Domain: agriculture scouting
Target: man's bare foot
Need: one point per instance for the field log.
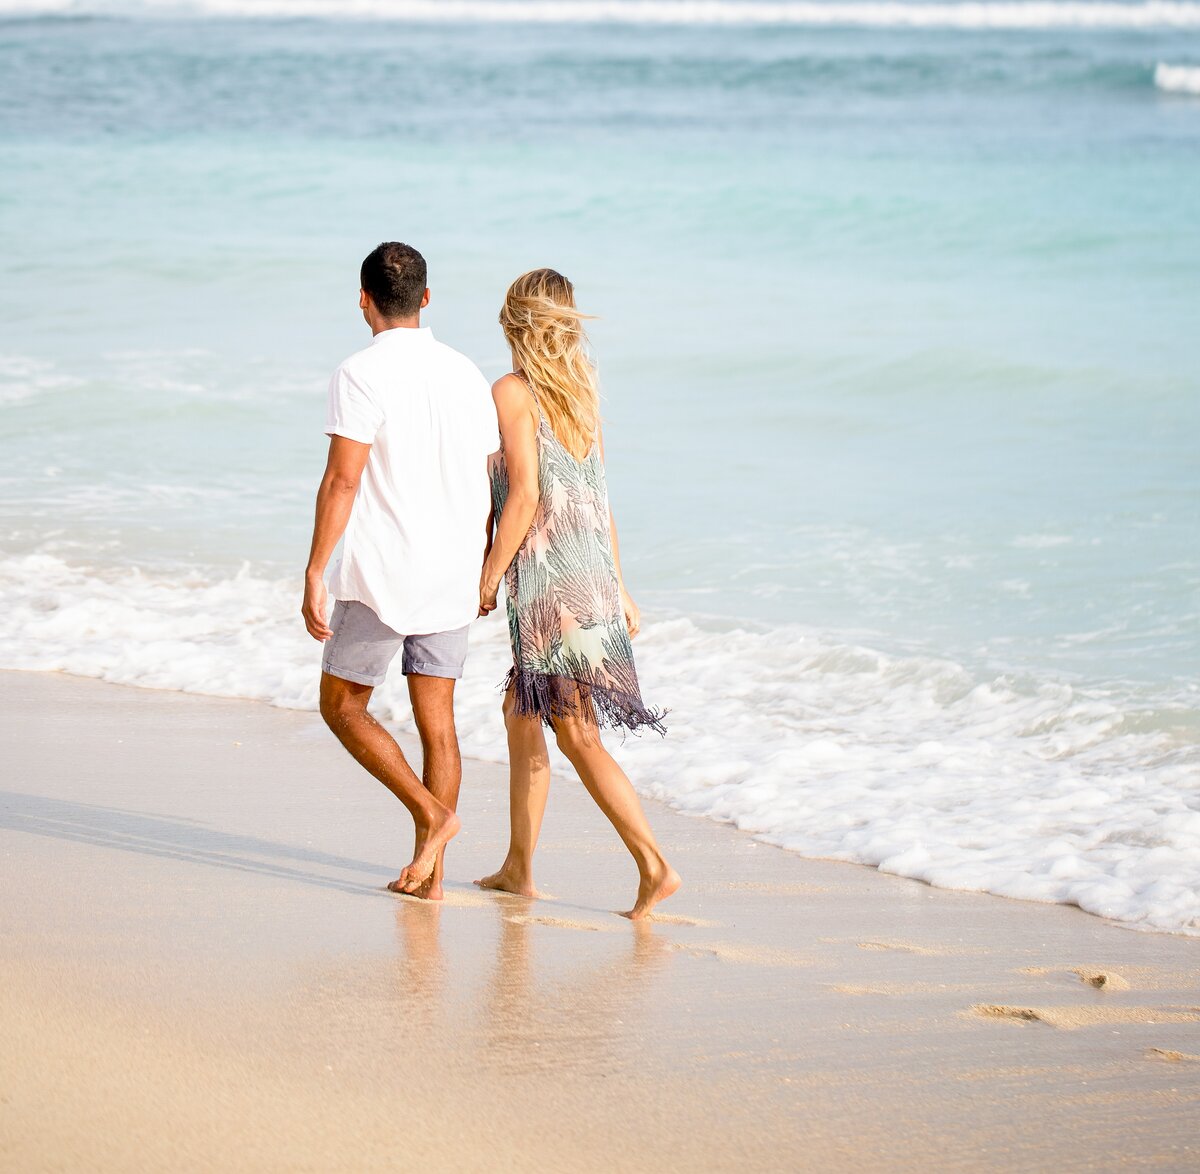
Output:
(654, 888)
(428, 890)
(431, 890)
(414, 875)
(508, 881)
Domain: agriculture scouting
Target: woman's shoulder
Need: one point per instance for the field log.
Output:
(515, 406)
(509, 385)
(511, 392)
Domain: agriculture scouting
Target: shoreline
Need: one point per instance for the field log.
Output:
(1066, 863)
(408, 742)
(1025, 786)
(204, 969)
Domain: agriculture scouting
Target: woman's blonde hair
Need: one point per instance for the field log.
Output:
(550, 348)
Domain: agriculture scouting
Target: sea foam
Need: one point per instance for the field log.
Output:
(1177, 79)
(914, 764)
(985, 14)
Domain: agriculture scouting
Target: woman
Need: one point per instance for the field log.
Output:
(570, 618)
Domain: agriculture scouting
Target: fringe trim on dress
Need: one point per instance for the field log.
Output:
(549, 696)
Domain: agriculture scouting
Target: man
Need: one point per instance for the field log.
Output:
(411, 424)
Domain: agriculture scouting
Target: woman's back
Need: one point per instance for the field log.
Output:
(571, 648)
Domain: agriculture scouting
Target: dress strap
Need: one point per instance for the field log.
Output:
(529, 388)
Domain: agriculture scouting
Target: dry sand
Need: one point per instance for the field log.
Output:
(203, 971)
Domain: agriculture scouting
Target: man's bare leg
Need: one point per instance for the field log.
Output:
(528, 788)
(344, 708)
(441, 763)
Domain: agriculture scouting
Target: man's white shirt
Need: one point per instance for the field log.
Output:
(414, 545)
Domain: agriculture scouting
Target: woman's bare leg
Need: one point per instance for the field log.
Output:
(528, 788)
(609, 786)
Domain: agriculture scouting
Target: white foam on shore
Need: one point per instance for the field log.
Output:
(909, 763)
(985, 14)
(1177, 79)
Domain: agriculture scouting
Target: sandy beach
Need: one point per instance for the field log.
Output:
(203, 970)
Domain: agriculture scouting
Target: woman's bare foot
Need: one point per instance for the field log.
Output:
(655, 887)
(509, 880)
(414, 875)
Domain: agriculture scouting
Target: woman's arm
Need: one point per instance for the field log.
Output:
(489, 528)
(518, 418)
(633, 616)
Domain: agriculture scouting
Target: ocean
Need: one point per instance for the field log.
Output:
(898, 343)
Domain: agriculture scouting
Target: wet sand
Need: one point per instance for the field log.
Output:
(202, 969)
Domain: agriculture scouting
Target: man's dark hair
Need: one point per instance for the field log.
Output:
(394, 275)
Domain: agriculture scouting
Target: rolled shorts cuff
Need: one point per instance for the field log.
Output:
(423, 668)
(350, 675)
(360, 639)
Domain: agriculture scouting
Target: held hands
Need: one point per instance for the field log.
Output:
(633, 617)
(316, 601)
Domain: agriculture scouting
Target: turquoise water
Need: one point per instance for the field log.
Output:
(897, 327)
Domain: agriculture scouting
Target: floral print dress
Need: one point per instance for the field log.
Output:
(571, 649)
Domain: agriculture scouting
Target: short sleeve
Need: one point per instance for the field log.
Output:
(489, 425)
(353, 412)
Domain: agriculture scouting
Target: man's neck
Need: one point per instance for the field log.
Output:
(379, 325)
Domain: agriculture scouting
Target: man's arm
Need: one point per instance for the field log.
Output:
(335, 500)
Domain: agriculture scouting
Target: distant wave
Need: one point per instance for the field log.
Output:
(988, 14)
(1178, 79)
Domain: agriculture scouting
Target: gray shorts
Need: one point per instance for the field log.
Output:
(362, 646)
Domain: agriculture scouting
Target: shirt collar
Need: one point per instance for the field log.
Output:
(406, 333)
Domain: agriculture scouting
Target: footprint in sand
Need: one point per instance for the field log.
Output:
(1101, 980)
(1171, 1057)
(679, 919)
(995, 1011)
(1069, 1018)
